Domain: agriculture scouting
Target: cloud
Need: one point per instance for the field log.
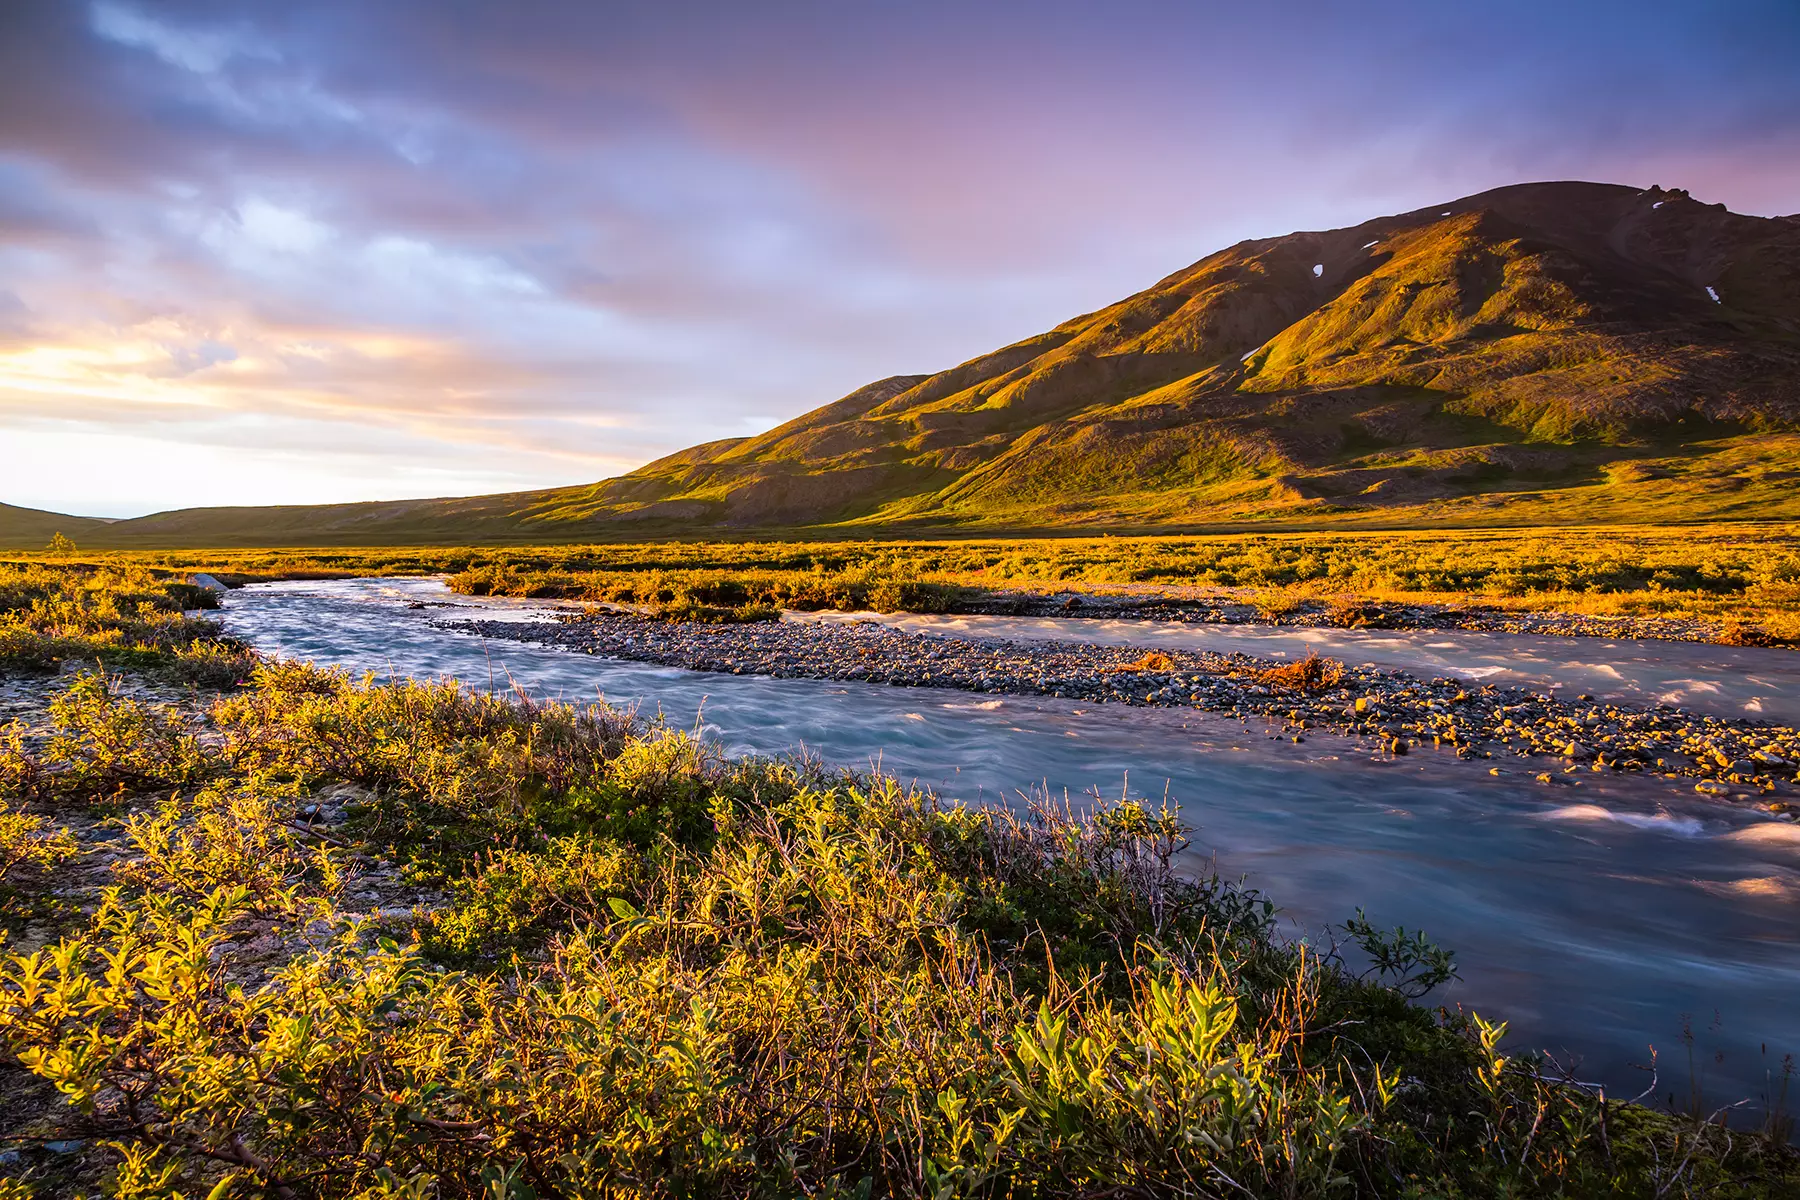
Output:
(580, 236)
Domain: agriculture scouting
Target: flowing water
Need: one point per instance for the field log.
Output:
(1726, 681)
(1596, 920)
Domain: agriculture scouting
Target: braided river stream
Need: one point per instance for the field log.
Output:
(1599, 921)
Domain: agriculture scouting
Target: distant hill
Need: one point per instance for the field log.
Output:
(31, 527)
(1568, 351)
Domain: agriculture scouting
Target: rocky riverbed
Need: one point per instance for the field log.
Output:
(1556, 739)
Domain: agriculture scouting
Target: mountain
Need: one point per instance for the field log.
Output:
(1522, 338)
(1575, 351)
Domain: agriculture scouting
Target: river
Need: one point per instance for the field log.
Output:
(1598, 921)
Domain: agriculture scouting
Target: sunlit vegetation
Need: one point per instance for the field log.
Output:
(118, 615)
(1309, 674)
(1731, 575)
(349, 939)
(1716, 573)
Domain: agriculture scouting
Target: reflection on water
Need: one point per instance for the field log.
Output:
(1590, 918)
(1728, 681)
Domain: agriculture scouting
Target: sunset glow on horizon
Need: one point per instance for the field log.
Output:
(336, 251)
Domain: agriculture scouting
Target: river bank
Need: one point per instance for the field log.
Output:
(1590, 923)
(1162, 602)
(1537, 732)
(1591, 918)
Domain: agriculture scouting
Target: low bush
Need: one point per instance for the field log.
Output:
(246, 841)
(29, 842)
(688, 609)
(1347, 612)
(104, 741)
(217, 665)
(30, 846)
(639, 968)
(517, 898)
(811, 1005)
(721, 595)
(124, 616)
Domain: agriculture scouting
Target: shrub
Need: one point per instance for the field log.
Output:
(215, 665)
(30, 846)
(244, 841)
(22, 774)
(1153, 662)
(517, 898)
(50, 615)
(1348, 613)
(25, 649)
(804, 1008)
(688, 609)
(1309, 674)
(797, 1008)
(1738, 633)
(105, 741)
(435, 743)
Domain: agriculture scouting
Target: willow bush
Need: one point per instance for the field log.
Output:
(122, 615)
(404, 939)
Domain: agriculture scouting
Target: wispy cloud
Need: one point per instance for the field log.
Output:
(343, 249)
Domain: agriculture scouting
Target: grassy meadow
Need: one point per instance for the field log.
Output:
(1738, 574)
(281, 932)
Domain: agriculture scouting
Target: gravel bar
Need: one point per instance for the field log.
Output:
(1751, 762)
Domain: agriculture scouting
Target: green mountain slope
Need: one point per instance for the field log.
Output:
(1538, 337)
(1544, 351)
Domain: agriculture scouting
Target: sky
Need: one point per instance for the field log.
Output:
(265, 253)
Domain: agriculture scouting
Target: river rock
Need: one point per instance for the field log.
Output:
(1388, 707)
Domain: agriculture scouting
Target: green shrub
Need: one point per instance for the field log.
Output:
(104, 741)
(51, 615)
(247, 841)
(687, 975)
(30, 842)
(688, 609)
(216, 665)
(31, 846)
(517, 898)
(795, 1008)
(25, 649)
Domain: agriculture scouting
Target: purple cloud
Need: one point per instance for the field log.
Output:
(594, 233)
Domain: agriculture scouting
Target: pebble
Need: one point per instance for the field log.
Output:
(1395, 709)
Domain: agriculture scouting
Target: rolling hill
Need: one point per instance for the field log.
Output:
(1566, 351)
(35, 527)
